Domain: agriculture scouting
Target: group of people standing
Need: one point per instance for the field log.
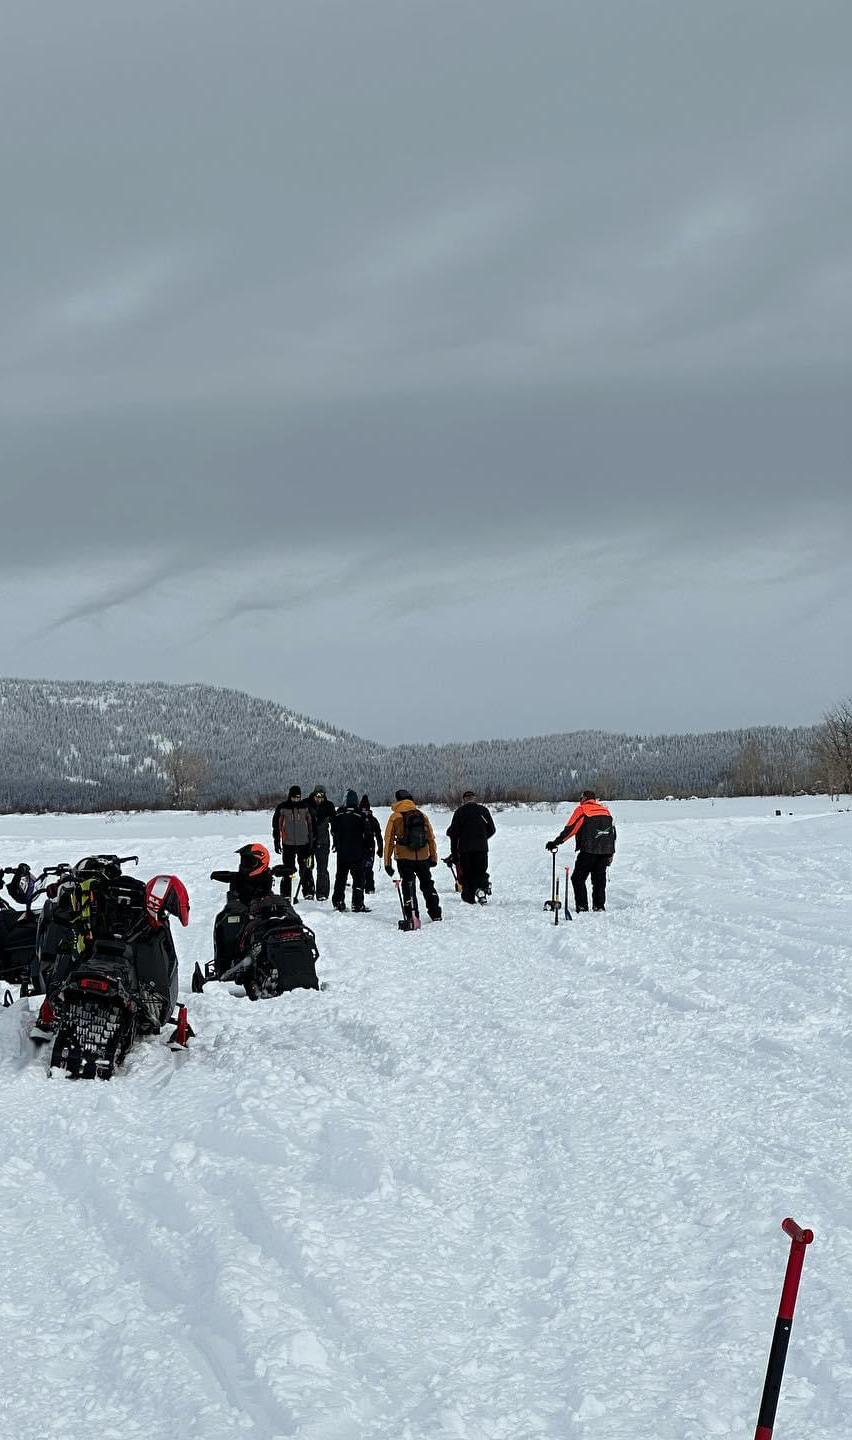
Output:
(303, 832)
(304, 829)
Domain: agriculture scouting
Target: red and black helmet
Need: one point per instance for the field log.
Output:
(254, 859)
(166, 895)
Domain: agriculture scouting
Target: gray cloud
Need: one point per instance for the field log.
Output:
(461, 318)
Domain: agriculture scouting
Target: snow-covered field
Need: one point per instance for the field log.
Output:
(501, 1179)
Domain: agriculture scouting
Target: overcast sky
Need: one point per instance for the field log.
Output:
(441, 368)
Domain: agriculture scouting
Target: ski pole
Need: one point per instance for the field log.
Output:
(783, 1325)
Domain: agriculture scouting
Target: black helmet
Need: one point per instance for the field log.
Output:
(107, 866)
(21, 886)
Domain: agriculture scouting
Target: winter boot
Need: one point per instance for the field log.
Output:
(340, 905)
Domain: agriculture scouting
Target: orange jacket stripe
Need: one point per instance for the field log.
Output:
(584, 811)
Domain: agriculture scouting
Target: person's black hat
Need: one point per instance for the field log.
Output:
(404, 795)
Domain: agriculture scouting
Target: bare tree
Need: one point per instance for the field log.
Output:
(187, 773)
(833, 748)
(746, 776)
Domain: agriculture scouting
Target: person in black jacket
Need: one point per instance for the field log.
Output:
(322, 812)
(470, 830)
(352, 838)
(375, 847)
(293, 838)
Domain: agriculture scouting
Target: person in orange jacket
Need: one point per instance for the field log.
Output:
(592, 830)
(410, 839)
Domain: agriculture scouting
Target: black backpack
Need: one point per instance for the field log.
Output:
(598, 835)
(414, 833)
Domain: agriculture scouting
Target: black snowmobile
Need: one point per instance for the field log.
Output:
(106, 962)
(262, 945)
(19, 928)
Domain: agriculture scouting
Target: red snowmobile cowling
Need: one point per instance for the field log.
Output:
(166, 894)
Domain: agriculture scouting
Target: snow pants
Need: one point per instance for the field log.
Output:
(473, 868)
(584, 866)
(345, 868)
(321, 854)
(291, 856)
(412, 871)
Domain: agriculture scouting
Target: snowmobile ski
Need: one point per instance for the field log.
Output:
(45, 1025)
(183, 1031)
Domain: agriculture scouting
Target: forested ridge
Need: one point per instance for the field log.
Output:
(84, 745)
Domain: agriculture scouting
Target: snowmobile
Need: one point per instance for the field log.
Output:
(263, 946)
(19, 928)
(107, 965)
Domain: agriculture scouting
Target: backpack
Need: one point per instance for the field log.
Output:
(598, 836)
(414, 833)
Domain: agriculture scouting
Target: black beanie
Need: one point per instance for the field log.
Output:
(404, 795)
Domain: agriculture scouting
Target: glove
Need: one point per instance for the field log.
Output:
(432, 864)
(389, 870)
(610, 859)
(277, 848)
(552, 845)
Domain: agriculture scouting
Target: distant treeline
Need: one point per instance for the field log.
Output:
(83, 746)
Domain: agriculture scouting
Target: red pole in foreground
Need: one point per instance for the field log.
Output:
(783, 1325)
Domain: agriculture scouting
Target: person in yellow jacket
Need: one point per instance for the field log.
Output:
(410, 840)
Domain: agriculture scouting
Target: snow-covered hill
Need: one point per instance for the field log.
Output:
(87, 745)
(502, 1180)
(67, 744)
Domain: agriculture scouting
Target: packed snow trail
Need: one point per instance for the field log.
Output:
(501, 1180)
